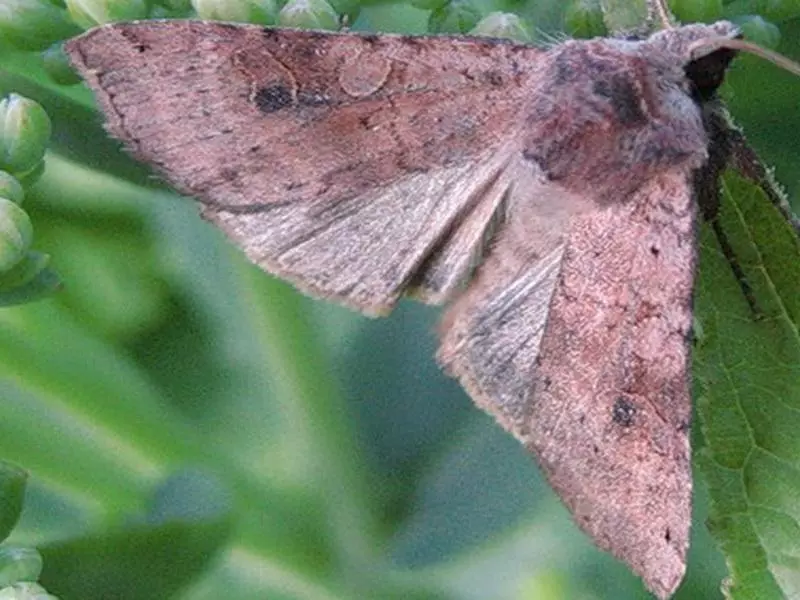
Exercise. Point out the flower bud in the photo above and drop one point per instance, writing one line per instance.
(11, 188)
(458, 16)
(502, 25)
(25, 271)
(34, 24)
(31, 176)
(43, 284)
(584, 19)
(58, 67)
(242, 11)
(24, 133)
(349, 8)
(16, 233)
(308, 14)
(89, 13)
(173, 8)
(19, 564)
(12, 491)
(25, 591)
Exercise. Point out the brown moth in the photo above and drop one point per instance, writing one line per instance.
(547, 193)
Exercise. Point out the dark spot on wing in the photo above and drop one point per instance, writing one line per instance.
(493, 78)
(623, 412)
(312, 98)
(228, 174)
(273, 98)
(623, 98)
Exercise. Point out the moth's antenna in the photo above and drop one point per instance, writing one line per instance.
(709, 45)
(659, 10)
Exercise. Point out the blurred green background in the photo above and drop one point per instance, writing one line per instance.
(261, 444)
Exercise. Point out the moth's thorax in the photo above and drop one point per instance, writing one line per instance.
(606, 115)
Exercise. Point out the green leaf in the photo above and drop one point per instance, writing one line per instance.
(747, 368)
(140, 563)
(12, 492)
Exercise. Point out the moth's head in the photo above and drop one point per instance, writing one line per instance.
(705, 51)
(682, 41)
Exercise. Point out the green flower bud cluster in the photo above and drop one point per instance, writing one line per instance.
(586, 18)
(24, 134)
(42, 24)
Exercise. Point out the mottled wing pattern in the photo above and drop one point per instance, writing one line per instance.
(341, 162)
(616, 336)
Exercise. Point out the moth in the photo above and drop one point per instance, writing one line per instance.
(547, 196)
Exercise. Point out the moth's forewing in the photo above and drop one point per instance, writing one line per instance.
(598, 386)
(339, 161)
(613, 413)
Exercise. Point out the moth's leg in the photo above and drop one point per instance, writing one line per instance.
(723, 142)
(707, 191)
